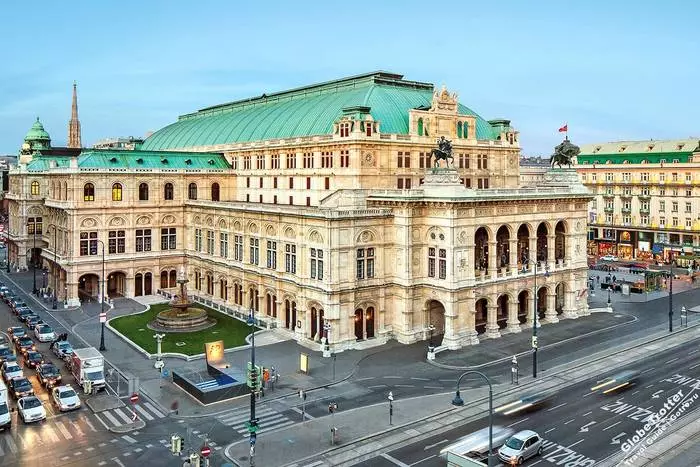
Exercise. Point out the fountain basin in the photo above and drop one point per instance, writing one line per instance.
(182, 320)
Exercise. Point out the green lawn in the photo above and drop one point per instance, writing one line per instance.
(230, 330)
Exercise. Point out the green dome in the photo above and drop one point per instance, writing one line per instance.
(37, 133)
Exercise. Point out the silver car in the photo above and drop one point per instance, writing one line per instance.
(520, 447)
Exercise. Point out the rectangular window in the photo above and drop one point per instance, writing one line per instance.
(223, 244)
(274, 199)
(464, 161)
(662, 221)
(327, 159)
(260, 182)
(345, 158)
(608, 176)
(260, 198)
(482, 161)
(662, 177)
(327, 183)
(423, 160)
(197, 239)
(291, 200)
(344, 129)
(675, 222)
(308, 160)
(254, 251)
(143, 240)
(260, 162)
(609, 219)
(626, 176)
(442, 266)
(238, 247)
(210, 242)
(365, 263)
(274, 182)
(117, 241)
(674, 206)
(35, 223)
(234, 163)
(308, 201)
(316, 264)
(271, 254)
(247, 182)
(688, 208)
(688, 223)
(645, 220)
(275, 161)
(468, 182)
(88, 243)
(308, 183)
(431, 262)
(594, 177)
(291, 161)
(246, 162)
(689, 192)
(674, 177)
(645, 176)
(290, 259)
(626, 220)
(291, 183)
(168, 238)
(482, 183)
(247, 198)
(688, 177)
(662, 191)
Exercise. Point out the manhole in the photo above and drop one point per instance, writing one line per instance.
(180, 344)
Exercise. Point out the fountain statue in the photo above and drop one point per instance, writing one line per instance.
(182, 316)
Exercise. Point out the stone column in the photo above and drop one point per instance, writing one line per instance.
(569, 303)
(280, 312)
(469, 310)
(532, 250)
(551, 261)
(72, 298)
(569, 240)
(513, 322)
(513, 255)
(492, 259)
(492, 330)
(300, 330)
(530, 312)
(471, 266)
(550, 314)
(450, 339)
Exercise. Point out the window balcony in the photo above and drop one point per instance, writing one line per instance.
(626, 210)
(609, 195)
(626, 196)
(643, 211)
(644, 197)
(609, 210)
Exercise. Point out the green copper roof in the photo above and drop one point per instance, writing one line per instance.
(305, 111)
(105, 159)
(37, 133)
(636, 152)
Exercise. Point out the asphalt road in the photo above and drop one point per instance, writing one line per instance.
(578, 424)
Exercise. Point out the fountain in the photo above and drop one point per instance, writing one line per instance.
(182, 316)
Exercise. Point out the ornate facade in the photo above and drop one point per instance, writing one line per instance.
(319, 208)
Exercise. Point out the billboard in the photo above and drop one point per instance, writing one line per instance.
(214, 352)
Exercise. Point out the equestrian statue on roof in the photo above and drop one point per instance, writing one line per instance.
(564, 153)
(443, 152)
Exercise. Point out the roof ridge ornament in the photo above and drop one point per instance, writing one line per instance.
(444, 102)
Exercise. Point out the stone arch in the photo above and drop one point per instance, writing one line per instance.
(481, 314)
(89, 222)
(236, 226)
(503, 235)
(116, 221)
(289, 233)
(316, 320)
(35, 211)
(365, 236)
(290, 312)
(116, 283)
(197, 220)
(435, 316)
(252, 227)
(560, 231)
(543, 230)
(222, 224)
(542, 293)
(502, 304)
(315, 236)
(435, 234)
(523, 240)
(364, 321)
(271, 302)
(209, 221)
(481, 248)
(143, 220)
(560, 297)
(89, 286)
(168, 219)
(270, 231)
(523, 305)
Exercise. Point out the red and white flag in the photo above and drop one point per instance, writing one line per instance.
(564, 129)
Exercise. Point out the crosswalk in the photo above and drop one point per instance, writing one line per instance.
(145, 411)
(268, 419)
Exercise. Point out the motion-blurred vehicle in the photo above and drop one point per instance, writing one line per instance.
(609, 258)
(65, 398)
(526, 403)
(31, 409)
(618, 382)
(520, 447)
(476, 445)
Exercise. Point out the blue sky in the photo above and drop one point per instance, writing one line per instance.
(611, 70)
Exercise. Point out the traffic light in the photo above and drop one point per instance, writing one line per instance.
(254, 380)
(175, 444)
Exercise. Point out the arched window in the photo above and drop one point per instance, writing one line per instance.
(117, 192)
(57, 194)
(89, 192)
(465, 130)
(168, 191)
(192, 191)
(143, 192)
(35, 188)
(420, 127)
(215, 192)
(65, 190)
(459, 129)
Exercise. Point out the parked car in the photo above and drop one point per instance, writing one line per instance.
(44, 333)
(31, 409)
(65, 398)
(609, 258)
(23, 314)
(520, 447)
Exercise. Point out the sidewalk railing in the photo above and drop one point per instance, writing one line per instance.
(118, 383)
(239, 312)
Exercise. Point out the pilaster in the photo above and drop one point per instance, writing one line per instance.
(550, 314)
(492, 330)
(513, 324)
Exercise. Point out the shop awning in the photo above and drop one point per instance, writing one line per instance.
(687, 257)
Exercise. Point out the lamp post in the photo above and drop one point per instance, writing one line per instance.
(34, 289)
(102, 302)
(252, 424)
(534, 312)
(459, 402)
(56, 272)
(670, 300)
(390, 397)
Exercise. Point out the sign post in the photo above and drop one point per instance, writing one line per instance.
(103, 317)
(134, 398)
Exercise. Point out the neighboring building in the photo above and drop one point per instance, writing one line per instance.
(532, 170)
(646, 198)
(317, 206)
(129, 143)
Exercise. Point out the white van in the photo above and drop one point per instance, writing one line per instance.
(5, 415)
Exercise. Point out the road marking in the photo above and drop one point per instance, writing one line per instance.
(101, 445)
(298, 410)
(672, 360)
(551, 429)
(138, 450)
(145, 414)
(393, 377)
(566, 423)
(101, 421)
(377, 387)
(153, 409)
(77, 428)
(556, 407)
(126, 454)
(430, 446)
(433, 387)
(77, 453)
(65, 458)
(694, 366)
(692, 352)
(535, 463)
(635, 392)
(588, 394)
(404, 385)
(419, 379)
(572, 445)
(115, 440)
(101, 463)
(49, 433)
(647, 387)
(122, 415)
(394, 461)
(315, 464)
(116, 459)
(88, 422)
(90, 449)
(129, 439)
(447, 380)
(614, 424)
(648, 370)
(11, 444)
(2, 453)
(587, 414)
(111, 418)
(64, 431)
(519, 421)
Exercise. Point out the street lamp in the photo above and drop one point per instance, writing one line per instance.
(534, 311)
(252, 425)
(431, 329)
(670, 300)
(33, 224)
(102, 302)
(390, 397)
(56, 271)
(327, 343)
(458, 401)
(158, 365)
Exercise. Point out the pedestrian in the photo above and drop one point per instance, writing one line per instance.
(614, 278)
(597, 279)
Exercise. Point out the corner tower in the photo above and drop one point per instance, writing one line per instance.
(74, 124)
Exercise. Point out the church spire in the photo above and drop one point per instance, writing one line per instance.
(74, 124)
